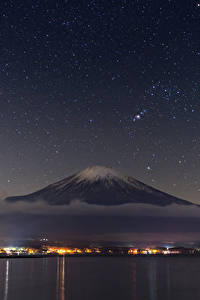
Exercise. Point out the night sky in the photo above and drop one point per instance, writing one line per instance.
(114, 83)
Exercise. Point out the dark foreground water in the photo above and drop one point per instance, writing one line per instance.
(87, 278)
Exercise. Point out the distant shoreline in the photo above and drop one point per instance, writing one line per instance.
(97, 255)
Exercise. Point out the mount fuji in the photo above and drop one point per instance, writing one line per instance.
(100, 186)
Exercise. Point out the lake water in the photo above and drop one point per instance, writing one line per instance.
(105, 278)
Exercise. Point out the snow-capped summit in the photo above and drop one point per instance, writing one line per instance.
(98, 173)
(100, 186)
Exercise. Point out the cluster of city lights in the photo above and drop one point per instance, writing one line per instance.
(18, 251)
(52, 250)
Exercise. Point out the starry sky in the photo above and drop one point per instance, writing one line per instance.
(114, 83)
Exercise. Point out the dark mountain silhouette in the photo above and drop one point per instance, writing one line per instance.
(101, 186)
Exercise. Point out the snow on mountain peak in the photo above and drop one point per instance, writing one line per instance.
(98, 173)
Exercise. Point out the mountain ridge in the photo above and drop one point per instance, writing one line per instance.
(101, 186)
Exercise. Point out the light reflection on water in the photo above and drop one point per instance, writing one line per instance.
(6, 280)
(60, 281)
(100, 278)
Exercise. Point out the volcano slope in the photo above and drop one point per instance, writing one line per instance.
(100, 186)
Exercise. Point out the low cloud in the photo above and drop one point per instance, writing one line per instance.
(82, 221)
(78, 207)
